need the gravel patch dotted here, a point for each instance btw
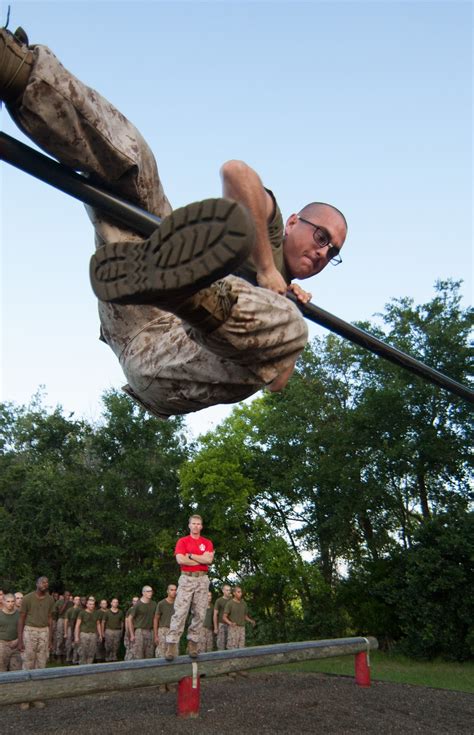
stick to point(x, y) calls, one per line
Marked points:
point(257, 703)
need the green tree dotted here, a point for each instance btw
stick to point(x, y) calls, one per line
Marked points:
point(95, 508)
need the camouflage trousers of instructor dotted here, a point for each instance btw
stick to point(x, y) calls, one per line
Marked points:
point(168, 372)
point(192, 594)
point(36, 642)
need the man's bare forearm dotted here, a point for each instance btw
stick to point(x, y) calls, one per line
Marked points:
point(206, 558)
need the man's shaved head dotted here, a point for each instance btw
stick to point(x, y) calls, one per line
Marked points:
point(304, 256)
point(313, 209)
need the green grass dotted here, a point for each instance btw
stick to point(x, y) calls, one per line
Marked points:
point(396, 668)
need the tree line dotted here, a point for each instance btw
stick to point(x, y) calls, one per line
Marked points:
point(341, 504)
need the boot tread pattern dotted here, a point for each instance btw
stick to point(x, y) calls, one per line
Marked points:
point(193, 247)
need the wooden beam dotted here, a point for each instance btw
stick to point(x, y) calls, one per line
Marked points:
point(56, 683)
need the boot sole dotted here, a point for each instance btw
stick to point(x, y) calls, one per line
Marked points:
point(193, 247)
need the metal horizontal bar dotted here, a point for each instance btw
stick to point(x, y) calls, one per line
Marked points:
point(57, 683)
point(76, 185)
point(382, 349)
point(46, 169)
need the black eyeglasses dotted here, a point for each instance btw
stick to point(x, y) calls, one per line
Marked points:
point(322, 238)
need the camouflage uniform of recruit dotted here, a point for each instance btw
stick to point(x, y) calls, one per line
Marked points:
point(169, 370)
point(235, 614)
point(140, 621)
point(112, 627)
point(126, 638)
point(206, 642)
point(100, 649)
point(86, 632)
point(72, 655)
point(10, 659)
point(221, 628)
point(60, 609)
point(35, 626)
point(161, 623)
point(54, 619)
point(87, 648)
point(193, 588)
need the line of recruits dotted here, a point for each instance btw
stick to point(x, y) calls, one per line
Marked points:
point(75, 630)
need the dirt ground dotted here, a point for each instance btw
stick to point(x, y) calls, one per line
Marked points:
point(258, 703)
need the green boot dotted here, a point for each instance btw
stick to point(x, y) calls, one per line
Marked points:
point(16, 61)
point(194, 247)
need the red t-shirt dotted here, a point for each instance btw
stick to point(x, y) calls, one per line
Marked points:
point(190, 545)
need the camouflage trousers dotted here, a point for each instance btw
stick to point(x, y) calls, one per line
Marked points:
point(100, 649)
point(168, 371)
point(128, 646)
point(10, 659)
point(222, 632)
point(161, 645)
point(59, 647)
point(142, 646)
point(112, 643)
point(36, 642)
point(192, 594)
point(87, 647)
point(236, 636)
point(71, 650)
point(206, 641)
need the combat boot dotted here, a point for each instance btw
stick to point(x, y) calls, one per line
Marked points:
point(171, 651)
point(192, 248)
point(192, 649)
point(16, 62)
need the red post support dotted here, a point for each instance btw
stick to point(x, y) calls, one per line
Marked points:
point(189, 691)
point(362, 669)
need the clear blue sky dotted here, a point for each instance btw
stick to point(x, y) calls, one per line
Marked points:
point(367, 105)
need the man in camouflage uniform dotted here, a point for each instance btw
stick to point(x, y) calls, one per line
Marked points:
point(193, 553)
point(221, 628)
point(235, 615)
point(10, 659)
point(35, 629)
point(188, 335)
point(206, 642)
point(161, 622)
point(87, 631)
point(112, 629)
point(72, 653)
point(60, 609)
point(126, 638)
point(140, 625)
point(100, 650)
point(35, 639)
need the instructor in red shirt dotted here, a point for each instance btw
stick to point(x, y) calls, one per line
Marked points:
point(193, 554)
